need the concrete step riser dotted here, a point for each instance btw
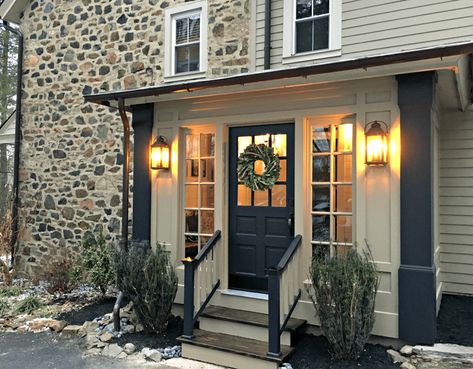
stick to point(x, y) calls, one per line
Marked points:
point(240, 329)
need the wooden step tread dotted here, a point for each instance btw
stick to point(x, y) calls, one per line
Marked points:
point(247, 317)
point(237, 345)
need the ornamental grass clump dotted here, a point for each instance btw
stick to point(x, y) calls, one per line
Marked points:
point(344, 292)
point(10, 291)
point(28, 305)
point(147, 277)
point(4, 306)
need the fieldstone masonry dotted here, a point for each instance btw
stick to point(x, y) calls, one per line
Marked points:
point(70, 169)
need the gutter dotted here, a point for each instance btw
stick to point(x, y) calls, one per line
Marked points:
point(16, 160)
point(267, 34)
point(279, 74)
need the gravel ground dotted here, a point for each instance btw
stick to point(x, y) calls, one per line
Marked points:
point(49, 351)
point(312, 353)
point(455, 320)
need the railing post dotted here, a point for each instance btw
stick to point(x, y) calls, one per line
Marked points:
point(274, 341)
point(188, 330)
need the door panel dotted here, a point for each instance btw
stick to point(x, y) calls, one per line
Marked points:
point(260, 223)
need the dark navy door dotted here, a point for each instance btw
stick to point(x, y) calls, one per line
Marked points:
point(260, 222)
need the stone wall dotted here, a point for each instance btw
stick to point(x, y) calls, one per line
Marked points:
point(70, 169)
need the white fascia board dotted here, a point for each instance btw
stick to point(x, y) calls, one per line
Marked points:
point(463, 82)
point(11, 10)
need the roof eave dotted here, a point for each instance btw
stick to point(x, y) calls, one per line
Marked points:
point(364, 63)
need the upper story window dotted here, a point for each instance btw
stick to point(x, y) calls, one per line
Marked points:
point(312, 29)
point(186, 41)
point(312, 25)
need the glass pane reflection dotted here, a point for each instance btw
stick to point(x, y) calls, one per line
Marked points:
point(321, 228)
point(321, 168)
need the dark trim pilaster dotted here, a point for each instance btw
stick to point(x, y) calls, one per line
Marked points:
point(142, 134)
point(417, 281)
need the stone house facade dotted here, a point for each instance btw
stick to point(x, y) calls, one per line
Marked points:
point(71, 153)
point(366, 104)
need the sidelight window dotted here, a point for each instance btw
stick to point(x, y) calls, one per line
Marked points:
point(331, 196)
point(199, 190)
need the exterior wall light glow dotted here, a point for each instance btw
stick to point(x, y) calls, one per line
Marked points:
point(160, 154)
point(376, 136)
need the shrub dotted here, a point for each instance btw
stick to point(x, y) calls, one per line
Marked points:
point(60, 276)
point(4, 306)
point(97, 261)
point(147, 277)
point(10, 291)
point(28, 305)
point(7, 236)
point(344, 298)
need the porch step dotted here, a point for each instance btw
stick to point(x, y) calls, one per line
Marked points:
point(231, 351)
point(247, 317)
point(246, 324)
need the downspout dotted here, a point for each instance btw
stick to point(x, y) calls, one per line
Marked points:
point(267, 34)
point(125, 199)
point(126, 171)
point(16, 159)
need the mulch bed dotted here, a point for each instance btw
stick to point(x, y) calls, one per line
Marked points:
point(89, 312)
point(455, 320)
point(153, 340)
point(312, 352)
point(140, 340)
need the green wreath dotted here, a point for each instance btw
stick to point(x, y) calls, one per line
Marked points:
point(246, 170)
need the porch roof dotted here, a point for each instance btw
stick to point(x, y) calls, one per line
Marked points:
point(110, 98)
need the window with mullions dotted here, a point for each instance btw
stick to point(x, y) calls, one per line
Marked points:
point(312, 25)
point(276, 196)
point(187, 43)
point(199, 189)
point(332, 188)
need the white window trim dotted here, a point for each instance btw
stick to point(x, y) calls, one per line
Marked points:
point(169, 33)
point(289, 35)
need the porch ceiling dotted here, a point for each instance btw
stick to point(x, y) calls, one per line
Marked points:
point(439, 58)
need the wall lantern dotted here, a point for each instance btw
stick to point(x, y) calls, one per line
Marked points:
point(160, 154)
point(376, 135)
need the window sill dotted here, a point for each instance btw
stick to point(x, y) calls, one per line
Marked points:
point(185, 76)
point(311, 56)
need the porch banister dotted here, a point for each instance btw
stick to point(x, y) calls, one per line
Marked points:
point(274, 312)
point(204, 262)
point(275, 283)
point(188, 331)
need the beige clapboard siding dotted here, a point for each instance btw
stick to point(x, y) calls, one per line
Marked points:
point(456, 202)
point(373, 27)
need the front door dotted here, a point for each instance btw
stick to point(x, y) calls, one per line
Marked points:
point(260, 222)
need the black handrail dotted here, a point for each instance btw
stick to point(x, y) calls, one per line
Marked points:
point(286, 258)
point(189, 278)
point(208, 246)
point(274, 295)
